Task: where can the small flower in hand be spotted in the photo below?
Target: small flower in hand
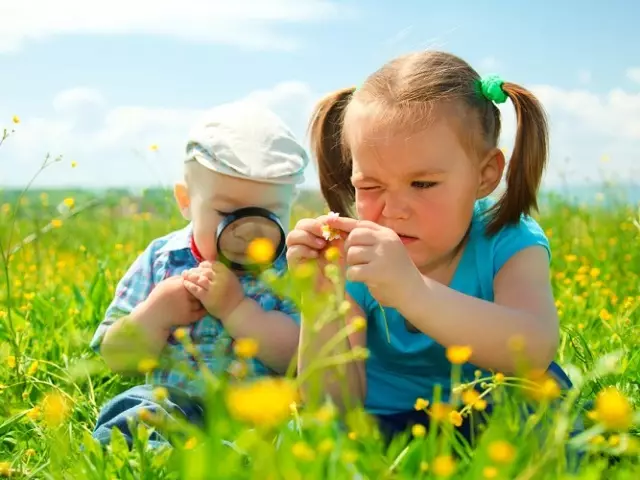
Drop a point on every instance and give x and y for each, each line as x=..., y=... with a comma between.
x=329, y=233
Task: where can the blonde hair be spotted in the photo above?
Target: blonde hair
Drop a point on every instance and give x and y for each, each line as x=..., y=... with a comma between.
x=404, y=94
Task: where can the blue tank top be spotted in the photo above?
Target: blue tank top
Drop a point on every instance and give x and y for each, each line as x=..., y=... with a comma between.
x=411, y=364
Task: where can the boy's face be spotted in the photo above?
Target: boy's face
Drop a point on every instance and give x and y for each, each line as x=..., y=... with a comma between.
x=209, y=196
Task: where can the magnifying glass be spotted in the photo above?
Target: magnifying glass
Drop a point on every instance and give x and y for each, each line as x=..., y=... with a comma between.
x=250, y=238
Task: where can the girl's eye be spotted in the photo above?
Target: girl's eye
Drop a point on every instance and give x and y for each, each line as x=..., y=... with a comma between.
x=222, y=214
x=423, y=184
x=366, y=188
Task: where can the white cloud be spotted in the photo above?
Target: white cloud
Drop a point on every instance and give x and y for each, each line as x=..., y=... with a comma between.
x=245, y=23
x=584, y=127
x=634, y=74
x=111, y=143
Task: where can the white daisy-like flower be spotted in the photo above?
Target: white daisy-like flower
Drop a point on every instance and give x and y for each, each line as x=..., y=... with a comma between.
x=329, y=233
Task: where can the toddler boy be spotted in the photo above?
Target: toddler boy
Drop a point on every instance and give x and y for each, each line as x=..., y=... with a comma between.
x=240, y=155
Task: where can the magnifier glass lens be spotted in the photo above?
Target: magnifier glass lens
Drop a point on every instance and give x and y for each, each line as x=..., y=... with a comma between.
x=250, y=240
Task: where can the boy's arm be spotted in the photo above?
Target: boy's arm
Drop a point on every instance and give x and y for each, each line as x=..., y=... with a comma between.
x=276, y=332
x=127, y=334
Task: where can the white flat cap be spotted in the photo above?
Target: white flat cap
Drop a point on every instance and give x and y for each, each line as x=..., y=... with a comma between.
x=247, y=140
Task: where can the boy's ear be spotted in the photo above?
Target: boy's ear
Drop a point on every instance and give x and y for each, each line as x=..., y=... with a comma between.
x=491, y=170
x=181, y=194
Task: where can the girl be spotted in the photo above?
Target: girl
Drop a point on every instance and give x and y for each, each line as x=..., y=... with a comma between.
x=415, y=148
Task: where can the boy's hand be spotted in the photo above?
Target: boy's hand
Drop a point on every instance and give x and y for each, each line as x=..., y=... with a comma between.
x=170, y=304
x=217, y=288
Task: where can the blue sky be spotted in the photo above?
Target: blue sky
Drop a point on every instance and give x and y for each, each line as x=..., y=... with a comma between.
x=99, y=84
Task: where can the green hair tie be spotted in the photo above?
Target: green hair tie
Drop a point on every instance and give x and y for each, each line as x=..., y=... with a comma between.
x=491, y=88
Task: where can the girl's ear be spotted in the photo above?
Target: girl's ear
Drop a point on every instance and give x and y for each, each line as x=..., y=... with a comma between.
x=181, y=194
x=491, y=170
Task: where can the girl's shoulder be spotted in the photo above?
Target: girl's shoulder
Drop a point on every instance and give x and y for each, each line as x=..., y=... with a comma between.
x=501, y=246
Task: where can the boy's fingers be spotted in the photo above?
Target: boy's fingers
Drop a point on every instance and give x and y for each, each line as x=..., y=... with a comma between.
x=196, y=290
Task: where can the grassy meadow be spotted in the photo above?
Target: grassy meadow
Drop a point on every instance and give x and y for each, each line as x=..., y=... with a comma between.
x=67, y=250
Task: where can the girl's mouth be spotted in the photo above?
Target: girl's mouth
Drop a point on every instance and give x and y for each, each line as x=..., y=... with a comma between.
x=407, y=239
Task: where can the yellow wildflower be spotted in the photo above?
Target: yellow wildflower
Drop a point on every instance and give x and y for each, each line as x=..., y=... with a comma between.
x=349, y=456
x=613, y=410
x=325, y=446
x=302, y=451
x=359, y=323
x=498, y=377
x=418, y=430
x=147, y=365
x=544, y=386
x=490, y=472
x=444, y=466
x=55, y=408
x=74, y=164
x=153, y=148
x=245, y=347
x=11, y=361
x=332, y=254
x=455, y=418
x=180, y=333
x=33, y=368
x=421, y=404
x=326, y=413
x=472, y=397
x=261, y=250
x=501, y=451
x=263, y=402
x=33, y=413
x=16, y=119
x=56, y=223
x=191, y=443
x=458, y=354
x=605, y=316
x=5, y=469
x=69, y=202
x=160, y=394
x=440, y=411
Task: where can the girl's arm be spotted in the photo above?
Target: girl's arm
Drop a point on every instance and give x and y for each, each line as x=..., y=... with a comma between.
x=343, y=382
x=523, y=308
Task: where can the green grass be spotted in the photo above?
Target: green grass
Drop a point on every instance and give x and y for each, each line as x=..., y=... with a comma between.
x=60, y=283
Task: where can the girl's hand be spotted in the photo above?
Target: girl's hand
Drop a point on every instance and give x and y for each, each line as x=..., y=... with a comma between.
x=376, y=257
x=305, y=241
x=308, y=242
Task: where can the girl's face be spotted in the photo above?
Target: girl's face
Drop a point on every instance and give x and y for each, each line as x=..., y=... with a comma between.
x=422, y=186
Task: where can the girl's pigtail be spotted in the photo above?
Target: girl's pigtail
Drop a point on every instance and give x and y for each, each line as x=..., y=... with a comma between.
x=528, y=160
x=333, y=159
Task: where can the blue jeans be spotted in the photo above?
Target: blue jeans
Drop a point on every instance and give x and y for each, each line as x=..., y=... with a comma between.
x=128, y=404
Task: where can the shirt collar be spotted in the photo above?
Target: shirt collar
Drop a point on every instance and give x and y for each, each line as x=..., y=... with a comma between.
x=180, y=240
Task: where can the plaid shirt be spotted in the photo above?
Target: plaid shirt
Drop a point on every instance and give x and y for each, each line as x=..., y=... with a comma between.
x=168, y=256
